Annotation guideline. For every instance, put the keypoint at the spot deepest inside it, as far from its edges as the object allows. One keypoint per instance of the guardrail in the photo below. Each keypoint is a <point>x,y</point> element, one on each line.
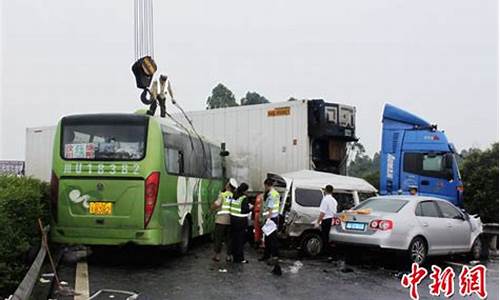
<point>490,228</point>
<point>490,237</point>
<point>25,288</point>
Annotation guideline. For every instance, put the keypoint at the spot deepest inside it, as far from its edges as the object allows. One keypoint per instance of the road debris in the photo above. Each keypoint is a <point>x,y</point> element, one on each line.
<point>294,269</point>
<point>112,293</point>
<point>42,280</point>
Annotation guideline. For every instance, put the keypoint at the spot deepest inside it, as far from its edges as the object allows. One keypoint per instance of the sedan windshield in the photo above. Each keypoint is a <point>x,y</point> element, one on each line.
<point>383,205</point>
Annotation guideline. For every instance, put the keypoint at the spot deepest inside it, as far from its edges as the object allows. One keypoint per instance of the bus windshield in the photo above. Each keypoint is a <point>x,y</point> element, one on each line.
<point>104,137</point>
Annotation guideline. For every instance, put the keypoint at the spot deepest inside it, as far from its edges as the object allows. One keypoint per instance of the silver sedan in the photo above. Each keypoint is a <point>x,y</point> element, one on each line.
<point>420,226</point>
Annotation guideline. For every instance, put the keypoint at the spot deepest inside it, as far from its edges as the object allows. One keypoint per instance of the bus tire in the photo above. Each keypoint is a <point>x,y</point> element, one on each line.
<point>185,236</point>
<point>311,243</point>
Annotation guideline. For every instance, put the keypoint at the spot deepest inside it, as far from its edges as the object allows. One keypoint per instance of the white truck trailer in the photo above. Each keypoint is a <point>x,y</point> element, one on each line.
<point>279,137</point>
<point>39,143</point>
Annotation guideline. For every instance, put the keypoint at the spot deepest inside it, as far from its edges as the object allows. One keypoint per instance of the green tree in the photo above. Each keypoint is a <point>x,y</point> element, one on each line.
<point>363,166</point>
<point>480,176</point>
<point>221,97</point>
<point>252,98</point>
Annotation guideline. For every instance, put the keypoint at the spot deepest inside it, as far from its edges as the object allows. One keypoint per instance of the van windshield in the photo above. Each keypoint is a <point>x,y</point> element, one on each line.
<point>104,137</point>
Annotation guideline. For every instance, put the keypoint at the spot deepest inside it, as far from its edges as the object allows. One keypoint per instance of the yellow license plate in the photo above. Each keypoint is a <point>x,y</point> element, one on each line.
<point>100,208</point>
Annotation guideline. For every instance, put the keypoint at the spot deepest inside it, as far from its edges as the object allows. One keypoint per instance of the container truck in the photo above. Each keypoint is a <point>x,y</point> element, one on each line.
<point>415,154</point>
<point>279,137</point>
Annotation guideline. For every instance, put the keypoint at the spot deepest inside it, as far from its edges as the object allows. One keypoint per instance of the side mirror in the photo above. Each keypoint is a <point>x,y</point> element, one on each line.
<point>223,151</point>
<point>450,174</point>
<point>465,214</point>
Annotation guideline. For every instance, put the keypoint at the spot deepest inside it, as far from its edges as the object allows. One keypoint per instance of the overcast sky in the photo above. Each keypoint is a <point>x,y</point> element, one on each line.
<point>438,59</point>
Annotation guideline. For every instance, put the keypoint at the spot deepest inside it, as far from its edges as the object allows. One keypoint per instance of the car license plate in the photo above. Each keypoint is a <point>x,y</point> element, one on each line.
<point>355,226</point>
<point>100,208</point>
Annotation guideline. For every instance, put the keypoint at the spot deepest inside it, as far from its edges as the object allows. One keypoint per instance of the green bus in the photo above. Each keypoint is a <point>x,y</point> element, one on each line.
<point>132,178</point>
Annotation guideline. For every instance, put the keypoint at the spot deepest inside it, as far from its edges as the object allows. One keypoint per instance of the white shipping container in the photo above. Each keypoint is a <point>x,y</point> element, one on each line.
<point>261,139</point>
<point>39,143</point>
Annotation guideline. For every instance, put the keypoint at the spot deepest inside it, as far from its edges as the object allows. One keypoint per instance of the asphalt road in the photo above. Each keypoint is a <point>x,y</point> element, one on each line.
<point>161,274</point>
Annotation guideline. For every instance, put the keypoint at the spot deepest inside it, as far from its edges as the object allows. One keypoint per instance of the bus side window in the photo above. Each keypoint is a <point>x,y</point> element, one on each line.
<point>216,162</point>
<point>175,161</point>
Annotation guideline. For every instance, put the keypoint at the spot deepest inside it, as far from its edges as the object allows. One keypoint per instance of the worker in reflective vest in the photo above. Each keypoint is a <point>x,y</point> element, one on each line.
<point>222,233</point>
<point>270,213</point>
<point>240,210</point>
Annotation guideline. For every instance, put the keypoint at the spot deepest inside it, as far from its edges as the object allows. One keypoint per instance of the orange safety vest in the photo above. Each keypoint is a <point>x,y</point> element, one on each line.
<point>256,218</point>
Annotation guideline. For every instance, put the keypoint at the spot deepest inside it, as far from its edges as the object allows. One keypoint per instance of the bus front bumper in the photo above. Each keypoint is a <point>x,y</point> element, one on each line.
<point>102,236</point>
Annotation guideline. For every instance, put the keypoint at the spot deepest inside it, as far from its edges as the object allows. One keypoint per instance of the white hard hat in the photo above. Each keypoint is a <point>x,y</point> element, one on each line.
<point>233,182</point>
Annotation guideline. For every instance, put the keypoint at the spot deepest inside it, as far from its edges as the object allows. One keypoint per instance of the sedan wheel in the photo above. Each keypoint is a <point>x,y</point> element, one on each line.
<point>475,251</point>
<point>418,251</point>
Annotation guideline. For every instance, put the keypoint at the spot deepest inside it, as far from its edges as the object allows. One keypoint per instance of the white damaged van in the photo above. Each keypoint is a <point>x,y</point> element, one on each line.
<point>301,196</point>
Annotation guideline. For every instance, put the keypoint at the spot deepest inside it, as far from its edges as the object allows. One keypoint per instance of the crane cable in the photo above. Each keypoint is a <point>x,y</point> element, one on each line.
<point>145,67</point>
<point>143,29</point>
<point>190,122</point>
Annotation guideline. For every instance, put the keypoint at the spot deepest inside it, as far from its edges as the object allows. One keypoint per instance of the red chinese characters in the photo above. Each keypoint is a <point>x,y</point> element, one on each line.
<point>442,281</point>
<point>413,279</point>
<point>472,280</point>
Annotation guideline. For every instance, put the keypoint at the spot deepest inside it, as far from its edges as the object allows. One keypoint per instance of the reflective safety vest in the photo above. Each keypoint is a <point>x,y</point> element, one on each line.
<point>236,207</point>
<point>226,198</point>
<point>276,203</point>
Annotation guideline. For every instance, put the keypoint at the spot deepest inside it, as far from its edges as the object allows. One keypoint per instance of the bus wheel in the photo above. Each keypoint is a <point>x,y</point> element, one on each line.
<point>185,236</point>
<point>312,244</point>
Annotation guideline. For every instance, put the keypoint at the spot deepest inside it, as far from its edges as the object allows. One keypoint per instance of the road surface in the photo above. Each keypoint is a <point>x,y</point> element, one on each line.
<point>162,274</point>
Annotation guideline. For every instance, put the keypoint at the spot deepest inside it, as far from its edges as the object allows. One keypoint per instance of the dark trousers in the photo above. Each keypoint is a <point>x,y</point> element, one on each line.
<point>271,243</point>
<point>238,236</point>
<point>222,234</point>
<point>326,225</point>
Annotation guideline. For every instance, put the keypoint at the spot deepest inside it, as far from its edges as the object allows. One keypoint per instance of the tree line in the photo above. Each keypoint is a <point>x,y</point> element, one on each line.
<point>224,97</point>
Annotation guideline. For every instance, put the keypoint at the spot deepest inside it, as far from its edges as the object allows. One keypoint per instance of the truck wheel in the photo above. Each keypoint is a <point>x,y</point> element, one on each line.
<point>312,244</point>
<point>475,250</point>
<point>417,252</point>
<point>185,237</point>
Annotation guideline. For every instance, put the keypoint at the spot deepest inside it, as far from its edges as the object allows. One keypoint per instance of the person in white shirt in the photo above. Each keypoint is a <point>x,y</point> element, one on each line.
<point>327,209</point>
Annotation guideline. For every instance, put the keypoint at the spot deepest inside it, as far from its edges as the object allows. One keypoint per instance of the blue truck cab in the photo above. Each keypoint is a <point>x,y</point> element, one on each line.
<point>416,154</point>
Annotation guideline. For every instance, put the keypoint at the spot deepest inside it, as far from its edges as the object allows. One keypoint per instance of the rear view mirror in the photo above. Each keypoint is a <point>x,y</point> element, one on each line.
<point>465,214</point>
<point>448,161</point>
<point>223,151</point>
<point>448,165</point>
<point>449,174</point>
